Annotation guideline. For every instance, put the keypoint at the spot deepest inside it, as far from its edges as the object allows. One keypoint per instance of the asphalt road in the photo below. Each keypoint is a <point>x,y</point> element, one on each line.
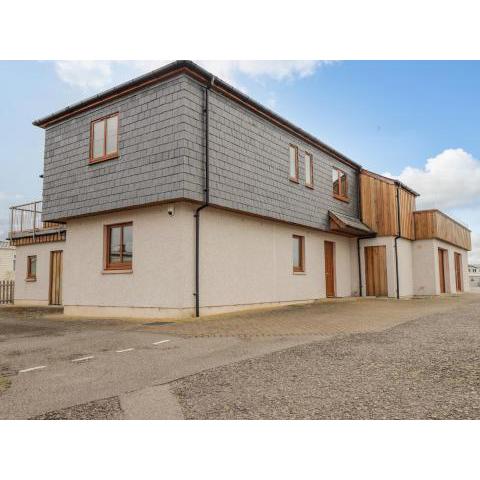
<point>303,362</point>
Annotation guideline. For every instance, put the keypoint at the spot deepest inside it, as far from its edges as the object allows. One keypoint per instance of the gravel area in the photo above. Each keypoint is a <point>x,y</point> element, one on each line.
<point>106,409</point>
<point>428,368</point>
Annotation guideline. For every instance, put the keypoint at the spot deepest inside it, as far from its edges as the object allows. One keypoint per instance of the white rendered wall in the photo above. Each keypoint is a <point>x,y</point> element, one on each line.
<point>244,261</point>
<point>34,292</point>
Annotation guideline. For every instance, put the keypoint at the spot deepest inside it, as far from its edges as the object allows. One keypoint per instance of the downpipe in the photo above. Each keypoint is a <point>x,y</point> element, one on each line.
<point>399,235</point>
<point>206,202</point>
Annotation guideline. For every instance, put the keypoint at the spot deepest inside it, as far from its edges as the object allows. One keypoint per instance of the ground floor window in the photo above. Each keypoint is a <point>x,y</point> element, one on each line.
<point>32,267</point>
<point>118,246</point>
<point>298,253</point>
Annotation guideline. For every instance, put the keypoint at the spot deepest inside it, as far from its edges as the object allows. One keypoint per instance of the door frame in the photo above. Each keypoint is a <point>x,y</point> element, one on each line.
<point>50,279</point>
<point>442,253</point>
<point>334,270</point>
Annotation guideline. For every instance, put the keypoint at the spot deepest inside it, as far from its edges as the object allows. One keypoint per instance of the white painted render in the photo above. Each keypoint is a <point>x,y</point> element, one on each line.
<point>34,292</point>
<point>245,261</point>
<point>7,258</point>
<point>426,267</point>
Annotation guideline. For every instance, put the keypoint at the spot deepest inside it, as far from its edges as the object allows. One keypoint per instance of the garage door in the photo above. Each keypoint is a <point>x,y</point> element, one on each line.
<point>376,271</point>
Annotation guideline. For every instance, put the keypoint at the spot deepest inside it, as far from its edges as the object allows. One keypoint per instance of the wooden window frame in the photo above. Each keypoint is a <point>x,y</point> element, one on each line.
<point>30,276</point>
<point>293,179</point>
<point>339,195</point>
<point>301,267</point>
<point>105,157</point>
<point>107,232</point>
<point>309,185</point>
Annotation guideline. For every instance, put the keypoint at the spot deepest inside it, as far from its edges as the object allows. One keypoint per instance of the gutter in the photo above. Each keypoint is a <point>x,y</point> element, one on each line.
<point>399,235</point>
<point>206,202</point>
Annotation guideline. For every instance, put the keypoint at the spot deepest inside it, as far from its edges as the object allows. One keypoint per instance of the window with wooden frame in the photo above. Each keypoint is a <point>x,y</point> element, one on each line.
<point>118,246</point>
<point>104,138</point>
<point>298,254</point>
<point>32,267</point>
<point>339,182</point>
<point>293,163</point>
<point>309,170</point>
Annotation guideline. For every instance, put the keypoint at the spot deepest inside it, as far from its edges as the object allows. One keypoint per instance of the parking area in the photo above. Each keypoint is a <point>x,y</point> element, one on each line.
<point>344,359</point>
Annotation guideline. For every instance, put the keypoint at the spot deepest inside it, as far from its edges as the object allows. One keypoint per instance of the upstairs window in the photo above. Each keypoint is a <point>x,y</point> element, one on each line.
<point>118,247</point>
<point>104,138</point>
<point>32,267</point>
<point>309,170</point>
<point>339,181</point>
<point>298,254</point>
<point>293,168</point>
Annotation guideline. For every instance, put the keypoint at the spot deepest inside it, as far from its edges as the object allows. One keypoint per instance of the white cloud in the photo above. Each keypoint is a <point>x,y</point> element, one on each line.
<point>449,180</point>
<point>90,75</point>
<point>85,75</point>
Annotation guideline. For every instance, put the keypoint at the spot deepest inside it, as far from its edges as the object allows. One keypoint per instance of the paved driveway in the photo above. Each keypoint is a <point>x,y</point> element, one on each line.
<point>326,360</point>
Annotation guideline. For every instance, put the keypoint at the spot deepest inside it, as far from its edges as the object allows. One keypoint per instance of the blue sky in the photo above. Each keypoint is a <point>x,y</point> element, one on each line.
<point>388,116</point>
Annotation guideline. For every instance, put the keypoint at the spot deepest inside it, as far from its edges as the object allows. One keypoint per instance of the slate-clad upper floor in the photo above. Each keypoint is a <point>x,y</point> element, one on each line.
<point>161,158</point>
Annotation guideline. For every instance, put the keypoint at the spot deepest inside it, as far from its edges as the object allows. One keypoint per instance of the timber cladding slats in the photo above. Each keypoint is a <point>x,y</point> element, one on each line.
<point>55,288</point>
<point>407,207</point>
<point>46,238</point>
<point>376,271</point>
<point>7,288</point>
<point>435,224</point>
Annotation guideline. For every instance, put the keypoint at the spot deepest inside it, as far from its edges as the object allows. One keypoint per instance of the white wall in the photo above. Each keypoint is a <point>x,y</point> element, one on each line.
<point>244,261</point>
<point>34,292</point>
<point>426,267</point>
<point>7,255</point>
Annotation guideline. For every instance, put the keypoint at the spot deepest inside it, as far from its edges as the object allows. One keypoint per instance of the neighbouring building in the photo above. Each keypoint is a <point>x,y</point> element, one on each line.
<point>7,261</point>
<point>474,275</point>
<point>175,194</point>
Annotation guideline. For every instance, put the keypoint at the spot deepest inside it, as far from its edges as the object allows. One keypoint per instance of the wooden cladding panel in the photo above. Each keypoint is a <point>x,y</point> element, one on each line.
<point>435,224</point>
<point>407,207</point>
<point>378,202</point>
<point>51,237</point>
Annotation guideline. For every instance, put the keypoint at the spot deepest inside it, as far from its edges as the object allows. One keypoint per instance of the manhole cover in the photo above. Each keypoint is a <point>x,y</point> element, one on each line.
<point>159,324</point>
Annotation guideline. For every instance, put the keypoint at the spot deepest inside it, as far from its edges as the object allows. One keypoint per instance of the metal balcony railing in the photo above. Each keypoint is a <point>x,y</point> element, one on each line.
<point>27,218</point>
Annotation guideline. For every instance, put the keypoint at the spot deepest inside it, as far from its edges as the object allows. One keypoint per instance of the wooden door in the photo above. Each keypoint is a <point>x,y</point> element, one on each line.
<point>458,272</point>
<point>441,269</point>
<point>55,288</point>
<point>376,271</point>
<point>329,248</point>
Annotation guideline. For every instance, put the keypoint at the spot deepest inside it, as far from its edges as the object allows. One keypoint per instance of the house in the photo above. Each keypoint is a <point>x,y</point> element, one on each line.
<point>474,275</point>
<point>7,261</point>
<point>175,194</point>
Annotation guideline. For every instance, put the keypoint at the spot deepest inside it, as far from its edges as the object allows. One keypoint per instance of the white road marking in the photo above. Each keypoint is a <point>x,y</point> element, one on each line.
<point>161,341</point>
<point>125,350</point>
<point>82,358</point>
<point>33,368</point>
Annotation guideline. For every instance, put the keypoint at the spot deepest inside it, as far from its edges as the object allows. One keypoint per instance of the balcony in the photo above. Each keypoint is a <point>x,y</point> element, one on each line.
<point>436,224</point>
<point>26,225</point>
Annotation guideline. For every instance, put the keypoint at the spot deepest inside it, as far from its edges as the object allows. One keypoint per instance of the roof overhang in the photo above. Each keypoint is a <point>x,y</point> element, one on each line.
<point>349,226</point>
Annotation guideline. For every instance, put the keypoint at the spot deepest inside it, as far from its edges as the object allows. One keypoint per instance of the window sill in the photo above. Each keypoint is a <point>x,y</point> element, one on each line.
<point>92,161</point>
<point>342,199</point>
<point>293,180</point>
<point>30,279</point>
<point>116,271</point>
<point>299,273</point>
<point>309,186</point>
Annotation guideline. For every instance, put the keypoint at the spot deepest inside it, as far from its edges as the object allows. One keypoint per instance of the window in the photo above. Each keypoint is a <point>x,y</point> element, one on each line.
<point>339,181</point>
<point>309,170</point>
<point>32,267</point>
<point>293,163</point>
<point>118,247</point>
<point>104,139</point>
<point>298,253</point>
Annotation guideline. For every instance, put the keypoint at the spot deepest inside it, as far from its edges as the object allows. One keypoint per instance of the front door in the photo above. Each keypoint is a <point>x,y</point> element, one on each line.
<point>458,271</point>
<point>330,269</point>
<point>55,288</point>
<point>441,269</point>
<point>376,271</point>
